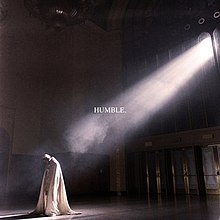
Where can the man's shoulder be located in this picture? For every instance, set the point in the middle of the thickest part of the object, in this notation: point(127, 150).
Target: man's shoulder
point(54, 160)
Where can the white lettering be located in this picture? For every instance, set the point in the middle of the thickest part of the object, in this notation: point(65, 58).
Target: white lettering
point(95, 110)
point(109, 110)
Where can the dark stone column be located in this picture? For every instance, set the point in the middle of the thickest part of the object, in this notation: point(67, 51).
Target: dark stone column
point(169, 174)
point(199, 172)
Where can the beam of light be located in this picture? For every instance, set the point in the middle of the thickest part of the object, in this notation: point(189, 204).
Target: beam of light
point(141, 102)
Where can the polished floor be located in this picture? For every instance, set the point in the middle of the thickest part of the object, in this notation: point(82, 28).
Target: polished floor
point(125, 208)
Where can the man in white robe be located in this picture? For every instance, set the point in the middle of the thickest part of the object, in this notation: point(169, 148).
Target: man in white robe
point(53, 199)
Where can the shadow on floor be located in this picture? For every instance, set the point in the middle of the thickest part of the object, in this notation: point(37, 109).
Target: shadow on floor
point(21, 216)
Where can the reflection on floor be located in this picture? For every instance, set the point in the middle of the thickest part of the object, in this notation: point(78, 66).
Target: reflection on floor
point(126, 208)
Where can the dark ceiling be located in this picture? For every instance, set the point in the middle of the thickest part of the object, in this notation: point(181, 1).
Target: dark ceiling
point(106, 14)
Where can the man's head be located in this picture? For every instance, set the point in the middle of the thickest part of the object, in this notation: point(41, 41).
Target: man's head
point(46, 157)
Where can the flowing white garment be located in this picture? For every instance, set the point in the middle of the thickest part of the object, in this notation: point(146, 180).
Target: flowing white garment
point(53, 198)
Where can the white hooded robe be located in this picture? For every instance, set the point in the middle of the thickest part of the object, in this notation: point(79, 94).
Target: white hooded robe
point(53, 199)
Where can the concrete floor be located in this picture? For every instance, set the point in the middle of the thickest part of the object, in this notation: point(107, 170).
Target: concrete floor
point(124, 208)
